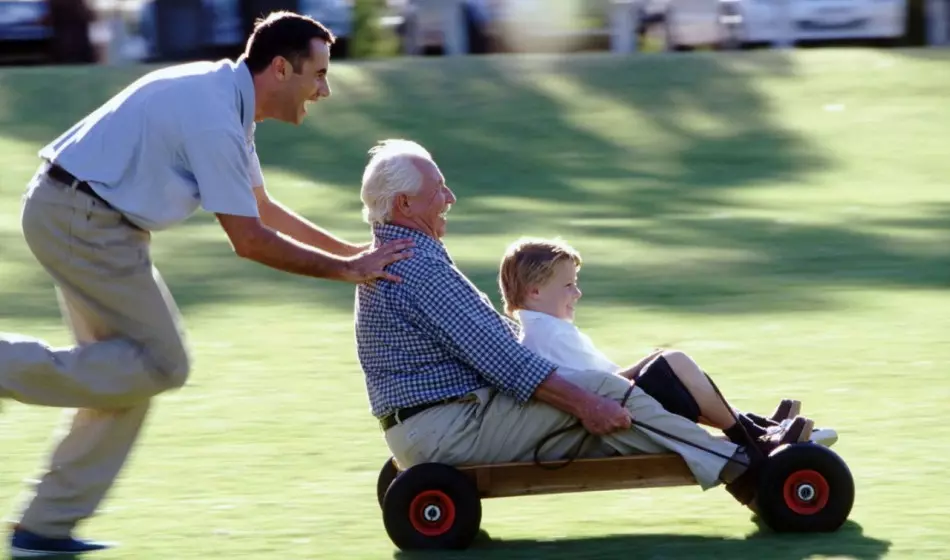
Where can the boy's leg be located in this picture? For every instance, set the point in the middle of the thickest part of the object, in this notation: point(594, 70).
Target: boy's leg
point(674, 370)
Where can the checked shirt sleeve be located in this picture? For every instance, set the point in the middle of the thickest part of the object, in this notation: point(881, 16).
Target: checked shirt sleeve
point(450, 307)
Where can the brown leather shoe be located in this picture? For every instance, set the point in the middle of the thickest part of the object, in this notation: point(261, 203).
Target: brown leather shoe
point(788, 408)
point(790, 431)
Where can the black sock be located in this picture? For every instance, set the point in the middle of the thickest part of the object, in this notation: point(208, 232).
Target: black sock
point(737, 434)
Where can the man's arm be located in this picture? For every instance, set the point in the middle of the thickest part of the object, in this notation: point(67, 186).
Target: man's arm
point(222, 167)
point(252, 240)
point(284, 220)
point(599, 415)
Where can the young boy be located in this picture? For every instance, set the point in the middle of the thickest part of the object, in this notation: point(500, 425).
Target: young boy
point(538, 283)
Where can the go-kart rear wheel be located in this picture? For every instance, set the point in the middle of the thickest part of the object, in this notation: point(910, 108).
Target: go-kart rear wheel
point(432, 506)
point(387, 475)
point(804, 488)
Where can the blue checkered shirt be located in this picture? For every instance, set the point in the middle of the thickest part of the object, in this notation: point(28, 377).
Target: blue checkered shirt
point(435, 335)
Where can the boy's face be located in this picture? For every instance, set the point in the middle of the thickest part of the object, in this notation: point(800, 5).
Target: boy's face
point(558, 296)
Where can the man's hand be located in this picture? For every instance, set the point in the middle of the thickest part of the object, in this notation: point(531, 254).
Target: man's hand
point(605, 416)
point(369, 266)
point(600, 415)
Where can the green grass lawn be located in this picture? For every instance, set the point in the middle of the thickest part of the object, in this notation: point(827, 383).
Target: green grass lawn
point(783, 217)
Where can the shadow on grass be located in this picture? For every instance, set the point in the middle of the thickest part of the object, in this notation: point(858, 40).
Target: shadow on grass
point(848, 542)
point(644, 150)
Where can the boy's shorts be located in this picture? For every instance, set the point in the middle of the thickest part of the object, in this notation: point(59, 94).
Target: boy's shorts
point(659, 381)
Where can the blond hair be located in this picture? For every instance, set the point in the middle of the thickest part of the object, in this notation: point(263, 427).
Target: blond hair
point(530, 262)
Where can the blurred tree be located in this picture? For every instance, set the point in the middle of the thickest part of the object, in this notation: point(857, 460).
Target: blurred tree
point(369, 39)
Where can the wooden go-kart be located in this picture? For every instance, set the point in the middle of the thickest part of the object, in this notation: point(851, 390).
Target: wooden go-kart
point(803, 487)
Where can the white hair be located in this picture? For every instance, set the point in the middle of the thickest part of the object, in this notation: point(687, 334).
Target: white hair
point(390, 172)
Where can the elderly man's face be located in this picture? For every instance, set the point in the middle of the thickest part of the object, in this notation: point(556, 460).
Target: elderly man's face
point(427, 209)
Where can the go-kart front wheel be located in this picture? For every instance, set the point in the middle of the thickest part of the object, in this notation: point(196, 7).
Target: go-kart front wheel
point(804, 488)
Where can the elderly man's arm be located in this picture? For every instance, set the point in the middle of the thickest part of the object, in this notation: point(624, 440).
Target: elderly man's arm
point(452, 309)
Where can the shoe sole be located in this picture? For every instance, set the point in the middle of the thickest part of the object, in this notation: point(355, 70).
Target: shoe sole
point(24, 553)
point(807, 428)
point(795, 410)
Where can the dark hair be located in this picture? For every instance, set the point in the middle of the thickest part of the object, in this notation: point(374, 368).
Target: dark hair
point(285, 34)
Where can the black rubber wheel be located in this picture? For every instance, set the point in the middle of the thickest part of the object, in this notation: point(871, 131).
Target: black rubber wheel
point(432, 507)
point(387, 475)
point(804, 488)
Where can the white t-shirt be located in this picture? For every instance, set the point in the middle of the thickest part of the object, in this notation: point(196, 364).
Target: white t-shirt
point(561, 342)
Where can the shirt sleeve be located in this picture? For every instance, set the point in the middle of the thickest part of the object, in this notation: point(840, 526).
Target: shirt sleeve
point(447, 305)
point(257, 174)
point(220, 162)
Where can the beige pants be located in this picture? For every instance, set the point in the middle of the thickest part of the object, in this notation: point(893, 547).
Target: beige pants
point(129, 348)
point(494, 428)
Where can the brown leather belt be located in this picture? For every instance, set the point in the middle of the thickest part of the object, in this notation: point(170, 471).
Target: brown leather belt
point(400, 415)
point(60, 175)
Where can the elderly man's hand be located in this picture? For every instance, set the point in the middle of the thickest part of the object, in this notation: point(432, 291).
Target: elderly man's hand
point(605, 416)
point(369, 265)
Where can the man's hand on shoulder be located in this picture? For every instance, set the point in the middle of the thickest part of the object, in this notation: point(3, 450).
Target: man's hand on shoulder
point(370, 264)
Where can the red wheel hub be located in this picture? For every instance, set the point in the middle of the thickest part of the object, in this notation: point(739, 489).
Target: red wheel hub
point(432, 513)
point(806, 492)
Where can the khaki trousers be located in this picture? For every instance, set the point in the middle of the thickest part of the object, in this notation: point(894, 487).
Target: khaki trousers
point(494, 428)
point(129, 348)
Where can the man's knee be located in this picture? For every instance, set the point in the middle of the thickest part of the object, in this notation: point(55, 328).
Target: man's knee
point(173, 367)
point(601, 382)
point(178, 374)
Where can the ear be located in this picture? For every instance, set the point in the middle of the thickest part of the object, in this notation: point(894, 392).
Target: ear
point(282, 68)
point(532, 292)
point(402, 204)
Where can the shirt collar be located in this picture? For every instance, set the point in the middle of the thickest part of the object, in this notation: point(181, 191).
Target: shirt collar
point(425, 244)
point(246, 100)
point(528, 316)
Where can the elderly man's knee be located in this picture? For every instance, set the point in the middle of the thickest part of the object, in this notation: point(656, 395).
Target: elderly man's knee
point(601, 382)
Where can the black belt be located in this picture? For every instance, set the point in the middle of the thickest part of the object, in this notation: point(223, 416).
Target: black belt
point(402, 414)
point(60, 175)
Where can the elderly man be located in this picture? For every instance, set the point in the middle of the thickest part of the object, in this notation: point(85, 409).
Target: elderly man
point(449, 381)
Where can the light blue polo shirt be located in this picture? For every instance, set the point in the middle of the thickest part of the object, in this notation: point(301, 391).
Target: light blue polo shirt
point(176, 139)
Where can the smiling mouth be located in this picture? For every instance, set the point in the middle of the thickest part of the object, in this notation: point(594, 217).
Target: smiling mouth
point(443, 214)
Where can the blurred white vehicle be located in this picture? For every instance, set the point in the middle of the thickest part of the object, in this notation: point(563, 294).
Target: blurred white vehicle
point(737, 23)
